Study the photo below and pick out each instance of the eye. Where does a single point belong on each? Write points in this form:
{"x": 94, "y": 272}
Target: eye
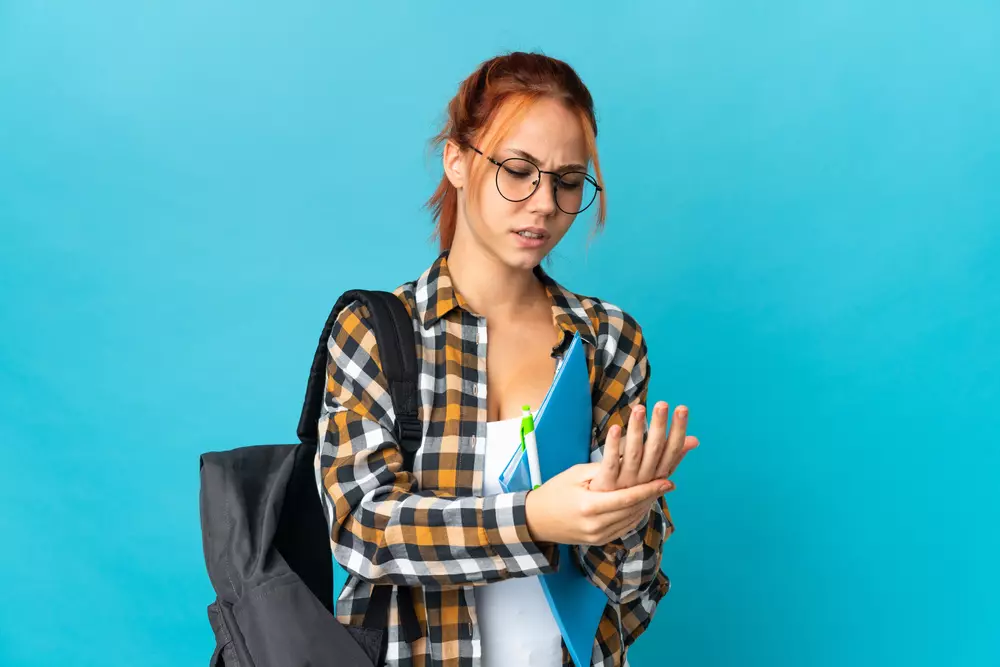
{"x": 517, "y": 173}
{"x": 572, "y": 181}
{"x": 516, "y": 169}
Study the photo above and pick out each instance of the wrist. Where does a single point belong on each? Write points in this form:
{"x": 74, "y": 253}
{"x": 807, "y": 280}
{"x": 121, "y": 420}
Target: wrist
{"x": 531, "y": 515}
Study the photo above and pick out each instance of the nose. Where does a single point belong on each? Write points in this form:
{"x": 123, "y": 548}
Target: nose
{"x": 543, "y": 200}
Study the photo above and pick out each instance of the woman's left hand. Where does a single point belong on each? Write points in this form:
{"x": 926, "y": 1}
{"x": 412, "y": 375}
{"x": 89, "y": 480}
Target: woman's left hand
{"x": 634, "y": 462}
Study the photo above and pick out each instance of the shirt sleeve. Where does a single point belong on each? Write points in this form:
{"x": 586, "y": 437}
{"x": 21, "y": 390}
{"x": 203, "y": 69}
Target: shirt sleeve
{"x": 628, "y": 567}
{"x": 384, "y": 529}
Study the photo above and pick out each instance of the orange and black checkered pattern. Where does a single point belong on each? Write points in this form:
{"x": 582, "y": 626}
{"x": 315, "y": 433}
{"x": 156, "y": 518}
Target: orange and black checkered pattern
{"x": 432, "y": 529}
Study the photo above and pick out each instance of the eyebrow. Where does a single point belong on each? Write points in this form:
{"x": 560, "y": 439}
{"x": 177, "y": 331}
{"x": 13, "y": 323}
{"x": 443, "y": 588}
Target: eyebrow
{"x": 574, "y": 166}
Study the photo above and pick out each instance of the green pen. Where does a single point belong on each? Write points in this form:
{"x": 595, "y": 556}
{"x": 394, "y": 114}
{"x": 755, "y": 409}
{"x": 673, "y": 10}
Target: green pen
{"x": 530, "y": 447}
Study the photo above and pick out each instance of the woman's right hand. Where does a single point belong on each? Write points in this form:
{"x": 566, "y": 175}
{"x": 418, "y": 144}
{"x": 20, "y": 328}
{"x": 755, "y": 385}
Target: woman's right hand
{"x": 566, "y": 511}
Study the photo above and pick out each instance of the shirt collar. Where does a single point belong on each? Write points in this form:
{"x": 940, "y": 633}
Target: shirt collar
{"x": 436, "y": 296}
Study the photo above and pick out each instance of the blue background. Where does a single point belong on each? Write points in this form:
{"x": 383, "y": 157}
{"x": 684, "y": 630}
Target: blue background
{"x": 804, "y": 216}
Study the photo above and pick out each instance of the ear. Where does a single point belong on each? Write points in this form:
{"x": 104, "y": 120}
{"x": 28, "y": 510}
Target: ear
{"x": 455, "y": 164}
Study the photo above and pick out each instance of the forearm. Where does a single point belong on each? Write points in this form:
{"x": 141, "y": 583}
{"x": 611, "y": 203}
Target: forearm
{"x": 385, "y": 531}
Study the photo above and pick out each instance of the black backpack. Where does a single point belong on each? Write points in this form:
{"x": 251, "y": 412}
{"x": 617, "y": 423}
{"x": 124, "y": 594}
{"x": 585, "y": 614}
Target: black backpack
{"x": 266, "y": 537}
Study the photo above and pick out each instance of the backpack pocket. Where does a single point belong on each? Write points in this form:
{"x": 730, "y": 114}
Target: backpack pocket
{"x": 220, "y": 617}
{"x": 285, "y": 625}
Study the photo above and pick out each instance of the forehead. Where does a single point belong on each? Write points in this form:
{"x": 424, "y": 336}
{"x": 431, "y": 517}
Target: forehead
{"x": 551, "y": 132}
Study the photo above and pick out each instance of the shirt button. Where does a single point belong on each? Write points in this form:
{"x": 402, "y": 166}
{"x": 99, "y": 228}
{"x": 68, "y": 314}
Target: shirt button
{"x": 475, "y": 389}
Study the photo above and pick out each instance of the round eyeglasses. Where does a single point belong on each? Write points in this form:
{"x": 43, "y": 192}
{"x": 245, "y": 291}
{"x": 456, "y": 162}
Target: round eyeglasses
{"x": 518, "y": 178}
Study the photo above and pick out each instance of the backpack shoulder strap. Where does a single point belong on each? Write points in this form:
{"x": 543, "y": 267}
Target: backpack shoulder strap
{"x": 393, "y": 328}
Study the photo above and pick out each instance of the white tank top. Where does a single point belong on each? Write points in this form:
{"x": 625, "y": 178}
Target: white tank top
{"x": 515, "y": 623}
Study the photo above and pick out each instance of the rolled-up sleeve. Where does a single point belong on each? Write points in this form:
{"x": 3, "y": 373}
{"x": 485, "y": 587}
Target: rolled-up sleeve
{"x": 628, "y": 567}
{"x": 383, "y": 529}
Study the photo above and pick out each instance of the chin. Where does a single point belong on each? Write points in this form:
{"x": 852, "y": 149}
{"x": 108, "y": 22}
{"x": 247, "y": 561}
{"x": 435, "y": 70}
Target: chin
{"x": 516, "y": 256}
{"x": 526, "y": 259}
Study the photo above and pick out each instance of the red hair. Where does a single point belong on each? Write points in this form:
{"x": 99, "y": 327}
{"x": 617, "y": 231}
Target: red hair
{"x": 489, "y": 102}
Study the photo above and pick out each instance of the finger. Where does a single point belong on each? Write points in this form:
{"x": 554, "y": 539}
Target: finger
{"x": 607, "y": 478}
{"x": 668, "y": 467}
{"x": 632, "y": 454}
{"x": 690, "y": 443}
{"x": 675, "y": 441}
{"x": 609, "y": 501}
{"x": 617, "y": 515}
{"x": 622, "y": 517}
{"x": 619, "y": 528}
{"x": 656, "y": 442}
{"x": 640, "y": 515}
{"x": 613, "y": 525}
{"x": 617, "y": 531}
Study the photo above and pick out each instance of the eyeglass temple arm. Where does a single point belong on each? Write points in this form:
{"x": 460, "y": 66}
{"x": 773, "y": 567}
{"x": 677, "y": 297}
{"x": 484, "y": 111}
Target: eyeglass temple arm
{"x": 540, "y": 171}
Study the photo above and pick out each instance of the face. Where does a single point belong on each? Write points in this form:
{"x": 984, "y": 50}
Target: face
{"x": 522, "y": 233}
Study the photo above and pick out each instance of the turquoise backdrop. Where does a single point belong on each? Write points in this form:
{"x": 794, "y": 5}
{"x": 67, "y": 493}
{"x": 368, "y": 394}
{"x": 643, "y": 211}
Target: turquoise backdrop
{"x": 804, "y": 216}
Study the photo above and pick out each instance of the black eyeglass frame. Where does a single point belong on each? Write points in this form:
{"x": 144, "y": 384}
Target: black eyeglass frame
{"x": 556, "y": 176}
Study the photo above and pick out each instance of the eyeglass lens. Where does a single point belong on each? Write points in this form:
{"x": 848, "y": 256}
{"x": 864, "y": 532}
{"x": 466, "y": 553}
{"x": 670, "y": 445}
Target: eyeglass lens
{"x": 517, "y": 179}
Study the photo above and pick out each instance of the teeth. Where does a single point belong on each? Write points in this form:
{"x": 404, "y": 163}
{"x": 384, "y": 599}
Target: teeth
{"x": 529, "y": 235}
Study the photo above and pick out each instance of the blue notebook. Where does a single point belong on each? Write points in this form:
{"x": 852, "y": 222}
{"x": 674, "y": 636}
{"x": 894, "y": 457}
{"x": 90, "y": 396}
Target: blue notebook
{"x": 563, "y": 429}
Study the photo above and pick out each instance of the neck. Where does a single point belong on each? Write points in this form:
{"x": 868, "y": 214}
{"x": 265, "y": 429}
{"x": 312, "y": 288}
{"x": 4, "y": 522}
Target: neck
{"x": 488, "y": 285}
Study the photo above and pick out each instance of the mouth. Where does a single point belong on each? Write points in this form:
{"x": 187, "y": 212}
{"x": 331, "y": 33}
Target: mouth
{"x": 530, "y": 239}
{"x": 532, "y": 233}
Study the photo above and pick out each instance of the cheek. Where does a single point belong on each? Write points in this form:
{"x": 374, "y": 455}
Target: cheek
{"x": 495, "y": 212}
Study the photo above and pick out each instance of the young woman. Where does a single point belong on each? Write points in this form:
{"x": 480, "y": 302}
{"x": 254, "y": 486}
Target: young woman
{"x": 520, "y": 162}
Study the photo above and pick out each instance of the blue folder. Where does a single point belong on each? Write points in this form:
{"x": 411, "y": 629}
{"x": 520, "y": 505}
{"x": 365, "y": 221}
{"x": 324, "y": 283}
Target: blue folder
{"x": 563, "y": 432}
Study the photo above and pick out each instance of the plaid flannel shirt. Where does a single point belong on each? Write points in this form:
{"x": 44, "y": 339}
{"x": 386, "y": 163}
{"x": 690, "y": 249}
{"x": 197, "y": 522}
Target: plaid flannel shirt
{"x": 433, "y": 530}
